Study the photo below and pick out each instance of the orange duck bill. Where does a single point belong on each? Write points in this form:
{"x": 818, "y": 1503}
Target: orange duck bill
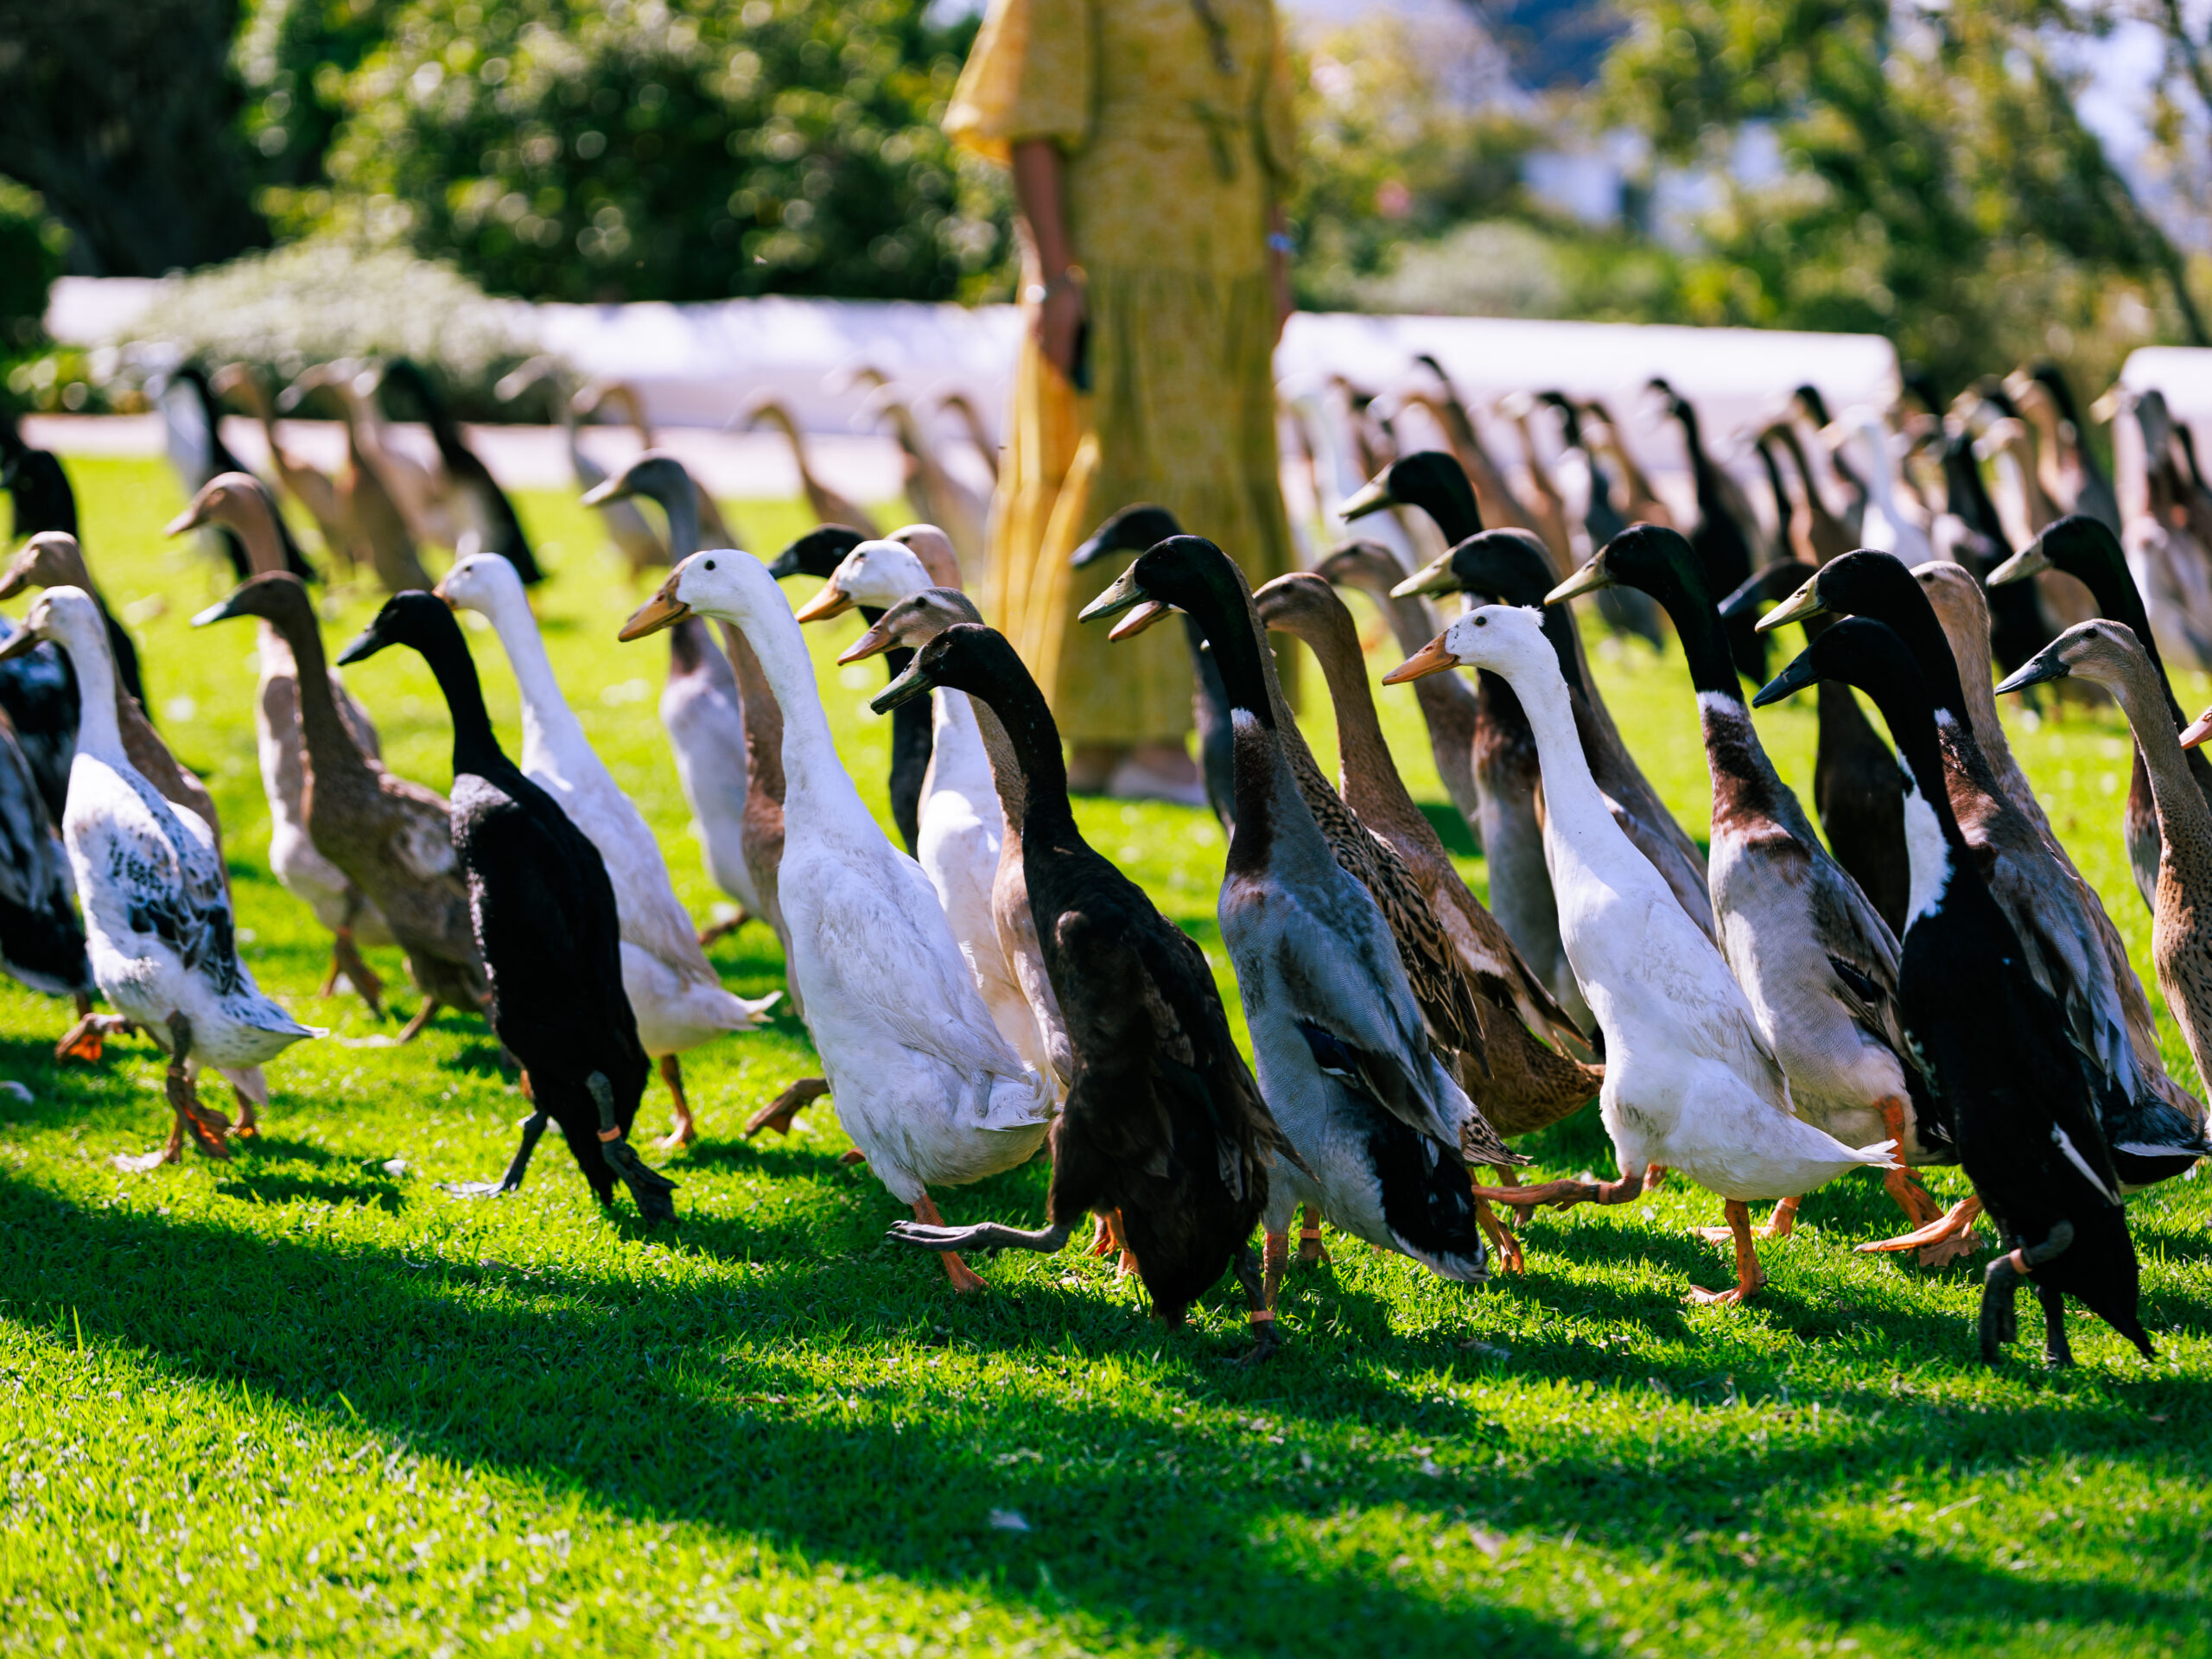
{"x": 662, "y": 610}
{"x": 2197, "y": 730}
{"x": 830, "y": 600}
{"x": 1432, "y": 659}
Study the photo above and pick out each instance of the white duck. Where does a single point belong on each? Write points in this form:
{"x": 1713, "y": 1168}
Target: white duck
{"x": 241, "y": 503}
{"x": 673, "y": 990}
{"x": 157, "y": 917}
{"x": 1690, "y": 1083}
{"x": 922, "y": 1080}
{"x": 962, "y": 824}
{"x": 1888, "y": 526}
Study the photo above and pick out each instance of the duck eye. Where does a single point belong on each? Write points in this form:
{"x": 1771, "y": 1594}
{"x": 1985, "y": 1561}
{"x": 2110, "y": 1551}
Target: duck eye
{"x": 710, "y": 564}
{"x": 1482, "y": 621}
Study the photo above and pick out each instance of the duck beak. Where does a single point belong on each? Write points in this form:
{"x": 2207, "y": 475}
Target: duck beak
{"x": 366, "y": 644}
{"x": 1374, "y": 496}
{"x": 23, "y": 641}
{"x": 438, "y": 591}
{"x": 1432, "y": 659}
{"x": 190, "y": 518}
{"x": 1800, "y": 674}
{"x": 1800, "y": 605}
{"x": 1588, "y": 580}
{"x": 1433, "y": 578}
{"x": 876, "y": 640}
{"x": 830, "y": 600}
{"x": 220, "y": 611}
{"x": 908, "y": 686}
{"x": 1147, "y": 613}
{"x": 662, "y": 610}
{"x": 1126, "y": 594}
{"x": 2045, "y": 664}
{"x": 2194, "y": 733}
{"x": 2030, "y": 561}
{"x": 607, "y": 490}
{"x": 17, "y": 578}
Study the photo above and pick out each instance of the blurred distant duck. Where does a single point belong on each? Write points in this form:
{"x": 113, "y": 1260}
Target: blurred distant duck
{"x": 1989, "y": 1034}
{"x": 309, "y": 485}
{"x": 370, "y": 514}
{"x": 241, "y": 503}
{"x": 676, "y": 999}
{"x": 1347, "y": 1063}
{"x": 2083, "y": 548}
{"x": 1819, "y": 965}
{"x": 1163, "y": 1128}
{"x": 1690, "y": 1082}
{"x": 922, "y": 1081}
{"x": 389, "y": 836}
{"x": 543, "y": 912}
{"x": 157, "y": 918}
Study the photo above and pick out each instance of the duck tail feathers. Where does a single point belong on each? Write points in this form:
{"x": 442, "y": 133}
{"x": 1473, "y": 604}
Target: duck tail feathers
{"x": 1883, "y": 1154}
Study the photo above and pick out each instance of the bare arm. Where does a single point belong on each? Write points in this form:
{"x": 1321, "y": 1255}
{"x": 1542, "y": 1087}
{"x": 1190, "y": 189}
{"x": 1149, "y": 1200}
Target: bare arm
{"x": 1038, "y": 171}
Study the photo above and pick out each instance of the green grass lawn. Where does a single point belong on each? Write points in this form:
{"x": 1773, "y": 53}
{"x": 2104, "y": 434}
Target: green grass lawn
{"x": 307, "y": 1400}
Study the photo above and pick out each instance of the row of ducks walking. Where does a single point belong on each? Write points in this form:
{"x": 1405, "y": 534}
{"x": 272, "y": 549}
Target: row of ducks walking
{"x": 1748, "y": 1017}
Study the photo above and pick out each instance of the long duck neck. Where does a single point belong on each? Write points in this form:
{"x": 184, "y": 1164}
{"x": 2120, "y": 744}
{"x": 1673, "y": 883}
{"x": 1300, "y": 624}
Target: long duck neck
{"x": 1038, "y": 804}
{"x": 475, "y": 745}
{"x": 548, "y": 722}
{"x": 810, "y": 767}
{"x": 1573, "y": 803}
{"x": 763, "y": 715}
{"x": 1368, "y": 775}
{"x": 98, "y": 729}
{"x": 2118, "y": 599}
{"x": 1268, "y": 802}
{"x": 2184, "y": 816}
{"x": 330, "y": 744}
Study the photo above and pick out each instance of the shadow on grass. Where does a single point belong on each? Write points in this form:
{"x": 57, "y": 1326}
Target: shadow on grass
{"x": 610, "y": 1383}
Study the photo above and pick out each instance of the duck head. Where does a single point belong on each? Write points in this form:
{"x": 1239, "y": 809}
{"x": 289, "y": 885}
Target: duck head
{"x": 1862, "y": 653}
{"x": 1861, "y": 583}
{"x": 875, "y": 574}
{"x": 415, "y": 619}
{"x": 914, "y": 622}
{"x": 483, "y": 582}
{"x": 339, "y": 376}
{"x": 655, "y": 475}
{"x": 966, "y": 656}
{"x": 50, "y": 559}
{"x": 1508, "y": 565}
{"x": 1777, "y": 581}
{"x": 934, "y": 548}
{"x": 1304, "y": 606}
{"x": 1176, "y": 575}
{"x": 1507, "y": 640}
{"x": 818, "y": 553}
{"x": 238, "y": 501}
{"x": 1649, "y": 557}
{"x": 1427, "y": 479}
{"x": 1364, "y": 564}
{"x": 1130, "y": 530}
{"x": 66, "y": 615}
{"x": 2078, "y": 544}
{"x": 277, "y": 596}
{"x": 724, "y": 583}
{"x": 2100, "y": 649}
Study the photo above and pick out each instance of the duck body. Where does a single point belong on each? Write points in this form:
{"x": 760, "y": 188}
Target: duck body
{"x": 1164, "y": 1127}
{"x": 675, "y": 997}
{"x": 1990, "y": 1037}
{"x": 41, "y": 940}
{"x": 1344, "y": 1058}
{"x": 922, "y": 1080}
{"x": 1691, "y": 1083}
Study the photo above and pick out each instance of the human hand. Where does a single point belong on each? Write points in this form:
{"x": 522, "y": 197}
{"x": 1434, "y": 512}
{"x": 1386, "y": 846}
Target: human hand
{"x": 1056, "y": 324}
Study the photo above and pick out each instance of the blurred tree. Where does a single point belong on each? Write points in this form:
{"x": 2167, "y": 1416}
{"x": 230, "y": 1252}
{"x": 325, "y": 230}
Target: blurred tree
{"x": 291, "y": 58}
{"x": 31, "y": 245}
{"x": 120, "y": 113}
{"x": 672, "y": 150}
{"x": 1939, "y": 185}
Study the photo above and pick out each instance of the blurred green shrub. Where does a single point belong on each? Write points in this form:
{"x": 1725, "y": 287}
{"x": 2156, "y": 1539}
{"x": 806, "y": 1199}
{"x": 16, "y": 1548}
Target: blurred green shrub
{"x": 32, "y": 246}
{"x": 291, "y": 58}
{"x": 331, "y": 298}
{"x": 668, "y": 149}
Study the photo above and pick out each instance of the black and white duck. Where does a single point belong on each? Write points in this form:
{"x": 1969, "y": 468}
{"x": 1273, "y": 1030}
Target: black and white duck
{"x": 1989, "y": 1036}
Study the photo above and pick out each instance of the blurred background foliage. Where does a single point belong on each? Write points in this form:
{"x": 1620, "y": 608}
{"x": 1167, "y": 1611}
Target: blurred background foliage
{"x": 1921, "y": 170}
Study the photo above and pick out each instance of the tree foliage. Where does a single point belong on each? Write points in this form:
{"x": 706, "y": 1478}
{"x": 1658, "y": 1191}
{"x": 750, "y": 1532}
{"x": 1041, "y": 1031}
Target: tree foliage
{"x": 672, "y": 150}
{"x": 1940, "y": 186}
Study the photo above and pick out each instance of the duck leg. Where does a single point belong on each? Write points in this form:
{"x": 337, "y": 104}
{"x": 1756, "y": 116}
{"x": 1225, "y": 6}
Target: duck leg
{"x": 649, "y": 1188}
{"x": 1946, "y": 1239}
{"x": 1275, "y": 1258}
{"x": 1260, "y": 1311}
{"x": 1502, "y": 1243}
{"x": 671, "y": 1073}
{"x": 1749, "y": 1280}
{"x": 346, "y": 960}
{"x": 86, "y": 1040}
{"x": 1508, "y": 1176}
{"x": 518, "y": 1166}
{"x": 1565, "y": 1195}
{"x": 715, "y": 930}
{"x": 2000, "y": 1284}
{"x": 413, "y": 1028}
{"x": 207, "y": 1129}
{"x": 2056, "y": 1350}
{"x": 778, "y": 1113}
{"x": 1310, "y": 1251}
{"x": 1780, "y": 1224}
{"x": 964, "y": 1278}
{"x": 1106, "y": 1239}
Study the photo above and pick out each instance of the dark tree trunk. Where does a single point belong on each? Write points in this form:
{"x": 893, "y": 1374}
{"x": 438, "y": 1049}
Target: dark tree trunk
{"x": 121, "y": 114}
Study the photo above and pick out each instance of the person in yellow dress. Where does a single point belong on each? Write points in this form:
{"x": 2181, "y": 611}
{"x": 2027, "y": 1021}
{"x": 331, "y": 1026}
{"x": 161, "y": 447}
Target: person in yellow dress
{"x": 1150, "y": 142}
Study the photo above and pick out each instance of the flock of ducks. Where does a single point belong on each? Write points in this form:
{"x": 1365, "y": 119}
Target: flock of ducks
{"x": 1931, "y": 982}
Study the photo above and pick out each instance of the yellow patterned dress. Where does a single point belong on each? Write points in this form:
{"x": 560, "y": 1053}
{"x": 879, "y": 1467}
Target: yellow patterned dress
{"x": 1174, "y": 119}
